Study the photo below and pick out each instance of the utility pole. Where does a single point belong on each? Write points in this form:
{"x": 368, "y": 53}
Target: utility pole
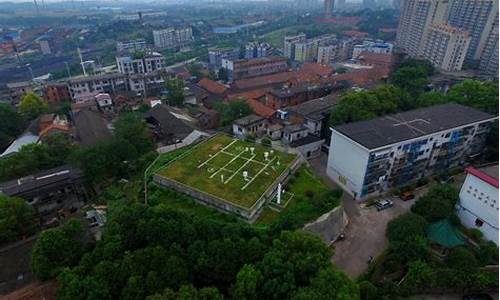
{"x": 81, "y": 61}
{"x": 67, "y": 69}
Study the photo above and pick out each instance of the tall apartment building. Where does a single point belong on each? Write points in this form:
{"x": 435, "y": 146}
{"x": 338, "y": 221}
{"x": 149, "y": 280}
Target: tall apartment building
{"x": 416, "y": 17}
{"x": 170, "y": 37}
{"x": 477, "y": 17}
{"x": 329, "y": 4}
{"x": 306, "y": 51}
{"x": 247, "y": 68}
{"x": 326, "y": 54}
{"x": 147, "y": 63}
{"x": 256, "y": 50}
{"x": 446, "y": 47}
{"x": 289, "y": 44}
{"x": 369, "y": 157}
{"x": 216, "y": 56}
{"x": 488, "y": 64}
{"x": 131, "y": 46}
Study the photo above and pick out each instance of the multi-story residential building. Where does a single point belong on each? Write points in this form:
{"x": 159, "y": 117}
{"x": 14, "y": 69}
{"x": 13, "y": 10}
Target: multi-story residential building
{"x": 289, "y": 44}
{"x": 369, "y": 157}
{"x": 56, "y": 92}
{"x": 416, "y": 16}
{"x": 215, "y": 57}
{"x": 478, "y": 204}
{"x": 306, "y": 51}
{"x": 170, "y": 37}
{"x": 329, "y": 4}
{"x": 326, "y": 54}
{"x": 115, "y": 83}
{"x": 446, "y": 47}
{"x": 131, "y": 46}
{"x": 257, "y": 50}
{"x": 488, "y": 64}
{"x": 140, "y": 64}
{"x": 379, "y": 47}
{"x": 247, "y": 68}
{"x": 478, "y": 18}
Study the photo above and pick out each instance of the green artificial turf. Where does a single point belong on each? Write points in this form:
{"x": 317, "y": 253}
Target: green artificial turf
{"x": 209, "y": 169}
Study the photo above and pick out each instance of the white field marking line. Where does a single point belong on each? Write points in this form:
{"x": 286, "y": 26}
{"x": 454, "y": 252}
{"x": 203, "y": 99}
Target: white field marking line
{"x": 224, "y": 169}
{"x": 218, "y": 152}
{"x": 228, "y": 163}
{"x": 258, "y": 173}
{"x": 241, "y": 167}
{"x": 253, "y": 160}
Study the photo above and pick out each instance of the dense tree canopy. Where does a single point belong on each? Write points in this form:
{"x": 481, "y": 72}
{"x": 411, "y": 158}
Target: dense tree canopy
{"x": 160, "y": 253}
{"x": 438, "y": 203}
{"x": 35, "y": 157}
{"x": 31, "y": 106}
{"x": 358, "y": 106}
{"x": 232, "y": 111}
{"x": 17, "y": 219}
{"x": 119, "y": 157}
{"x": 57, "y": 248}
{"x": 11, "y": 125}
{"x": 175, "y": 87}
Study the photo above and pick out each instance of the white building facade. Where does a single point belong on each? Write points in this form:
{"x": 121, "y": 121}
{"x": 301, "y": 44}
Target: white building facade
{"x": 478, "y": 204}
{"x": 370, "y": 157}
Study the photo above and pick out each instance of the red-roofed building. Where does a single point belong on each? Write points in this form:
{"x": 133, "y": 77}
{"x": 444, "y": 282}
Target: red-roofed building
{"x": 212, "y": 86}
{"x": 316, "y": 69}
{"x": 260, "y": 109}
{"x": 355, "y": 33}
{"x": 478, "y": 204}
{"x": 376, "y": 59}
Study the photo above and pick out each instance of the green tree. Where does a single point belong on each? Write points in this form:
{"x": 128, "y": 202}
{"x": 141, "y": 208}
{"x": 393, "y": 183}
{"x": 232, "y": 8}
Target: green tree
{"x": 17, "y": 219}
{"x": 131, "y": 128}
{"x": 438, "y": 203}
{"x": 57, "y": 248}
{"x": 368, "y": 291}
{"x": 233, "y": 110}
{"x": 404, "y": 226}
{"x": 247, "y": 283}
{"x": 31, "y": 106}
{"x": 412, "y": 76}
{"x": 419, "y": 277}
{"x": 175, "y": 87}
{"x": 482, "y": 95}
{"x": 11, "y": 125}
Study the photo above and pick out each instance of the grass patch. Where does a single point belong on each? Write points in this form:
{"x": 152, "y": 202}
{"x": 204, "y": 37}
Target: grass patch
{"x": 267, "y": 216}
{"x": 216, "y": 167}
{"x": 312, "y": 198}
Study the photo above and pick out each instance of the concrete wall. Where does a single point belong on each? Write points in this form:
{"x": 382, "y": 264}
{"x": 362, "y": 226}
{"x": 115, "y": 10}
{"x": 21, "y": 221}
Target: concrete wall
{"x": 329, "y": 226}
{"x": 347, "y": 163}
{"x": 248, "y": 214}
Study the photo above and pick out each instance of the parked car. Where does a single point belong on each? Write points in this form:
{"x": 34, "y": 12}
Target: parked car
{"x": 383, "y": 204}
{"x": 407, "y": 196}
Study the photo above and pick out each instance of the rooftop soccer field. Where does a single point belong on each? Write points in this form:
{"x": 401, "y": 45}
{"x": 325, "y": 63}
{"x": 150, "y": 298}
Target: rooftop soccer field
{"x": 236, "y": 171}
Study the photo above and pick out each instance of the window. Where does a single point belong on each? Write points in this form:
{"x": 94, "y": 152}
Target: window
{"x": 479, "y": 222}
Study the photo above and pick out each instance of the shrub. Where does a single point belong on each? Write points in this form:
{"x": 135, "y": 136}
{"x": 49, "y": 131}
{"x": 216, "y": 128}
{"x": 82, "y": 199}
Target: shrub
{"x": 309, "y": 194}
{"x": 266, "y": 142}
{"x": 475, "y": 234}
{"x": 368, "y": 291}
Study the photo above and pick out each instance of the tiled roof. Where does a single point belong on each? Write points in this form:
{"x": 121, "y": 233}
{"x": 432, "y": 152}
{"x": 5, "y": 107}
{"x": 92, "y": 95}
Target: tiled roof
{"x": 316, "y": 69}
{"x": 260, "y": 109}
{"x": 212, "y": 86}
{"x": 298, "y": 76}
